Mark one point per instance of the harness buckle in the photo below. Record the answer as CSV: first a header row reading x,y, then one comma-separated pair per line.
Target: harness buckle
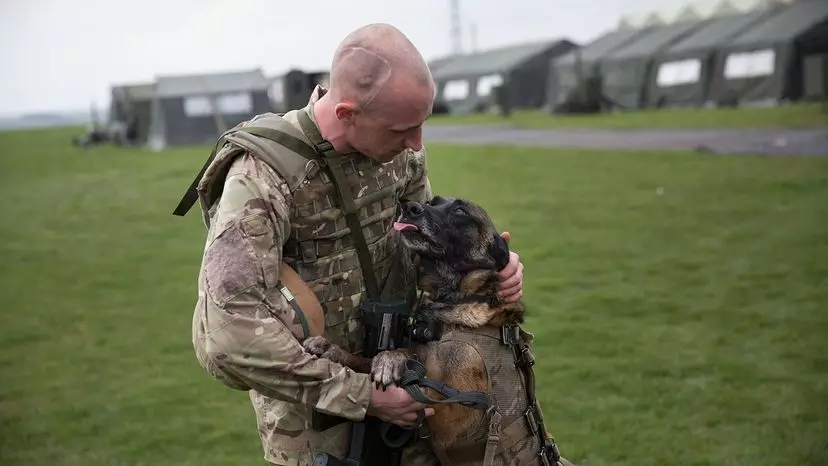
x,y
529,414
526,359
509,334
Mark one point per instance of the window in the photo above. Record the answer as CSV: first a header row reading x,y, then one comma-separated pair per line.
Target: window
x,y
486,83
197,106
750,64
456,90
235,104
277,90
675,73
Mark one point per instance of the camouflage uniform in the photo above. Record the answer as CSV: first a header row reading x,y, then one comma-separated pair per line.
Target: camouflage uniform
x,y
243,328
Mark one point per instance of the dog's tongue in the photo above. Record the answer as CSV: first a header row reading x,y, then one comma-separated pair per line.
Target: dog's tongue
x,y
404,226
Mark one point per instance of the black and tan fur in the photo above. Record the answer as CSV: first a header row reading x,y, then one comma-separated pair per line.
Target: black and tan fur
x,y
458,253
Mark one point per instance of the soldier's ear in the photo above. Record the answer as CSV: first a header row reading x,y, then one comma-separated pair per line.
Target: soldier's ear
x,y
500,252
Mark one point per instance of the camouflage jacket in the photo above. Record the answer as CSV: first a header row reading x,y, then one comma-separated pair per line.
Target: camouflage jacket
x,y
260,220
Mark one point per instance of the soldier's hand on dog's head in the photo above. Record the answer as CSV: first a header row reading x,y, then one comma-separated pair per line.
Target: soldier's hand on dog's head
x,y
510,288
393,404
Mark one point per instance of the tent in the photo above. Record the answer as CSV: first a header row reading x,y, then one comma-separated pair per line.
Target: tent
x,y
682,73
774,60
196,109
625,71
465,82
570,69
130,107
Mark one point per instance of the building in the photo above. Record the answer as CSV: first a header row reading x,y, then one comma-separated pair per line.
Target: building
x,y
196,109
781,58
625,71
465,82
682,73
583,63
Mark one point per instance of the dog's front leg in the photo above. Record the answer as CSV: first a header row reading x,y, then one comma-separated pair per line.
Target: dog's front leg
x,y
388,367
321,347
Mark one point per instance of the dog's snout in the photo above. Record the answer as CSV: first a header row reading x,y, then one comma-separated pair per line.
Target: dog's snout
x,y
413,209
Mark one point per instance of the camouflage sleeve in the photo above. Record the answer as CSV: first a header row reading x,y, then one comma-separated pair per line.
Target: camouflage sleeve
x,y
245,341
418,187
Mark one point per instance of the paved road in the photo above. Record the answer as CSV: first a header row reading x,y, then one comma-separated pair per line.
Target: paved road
x,y
750,142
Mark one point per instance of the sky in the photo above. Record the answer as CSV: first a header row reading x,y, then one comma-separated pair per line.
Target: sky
x,y
61,55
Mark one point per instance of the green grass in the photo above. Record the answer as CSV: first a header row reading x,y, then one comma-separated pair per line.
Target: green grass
x,y
790,116
678,300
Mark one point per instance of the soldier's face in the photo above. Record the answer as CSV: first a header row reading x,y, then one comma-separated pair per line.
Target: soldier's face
x,y
394,123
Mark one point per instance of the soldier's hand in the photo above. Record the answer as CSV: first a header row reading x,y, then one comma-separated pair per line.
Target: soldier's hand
x,y
395,405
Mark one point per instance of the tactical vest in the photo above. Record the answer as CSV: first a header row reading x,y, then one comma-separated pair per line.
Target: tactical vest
x,y
512,431
319,246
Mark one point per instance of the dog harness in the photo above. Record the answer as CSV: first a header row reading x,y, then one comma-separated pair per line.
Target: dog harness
x,y
515,431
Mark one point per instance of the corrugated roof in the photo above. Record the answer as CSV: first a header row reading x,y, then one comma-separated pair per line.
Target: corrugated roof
x,y
790,22
717,33
601,47
491,61
176,86
654,40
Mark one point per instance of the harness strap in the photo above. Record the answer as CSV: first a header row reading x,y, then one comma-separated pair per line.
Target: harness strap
x,y
525,362
493,440
415,377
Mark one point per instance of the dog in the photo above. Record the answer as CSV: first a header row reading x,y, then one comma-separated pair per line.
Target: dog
x,y
458,254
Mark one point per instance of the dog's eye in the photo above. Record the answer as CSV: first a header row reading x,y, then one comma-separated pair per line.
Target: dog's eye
x,y
459,211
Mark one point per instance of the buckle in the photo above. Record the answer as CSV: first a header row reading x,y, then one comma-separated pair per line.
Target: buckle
x,y
552,451
529,414
509,334
526,359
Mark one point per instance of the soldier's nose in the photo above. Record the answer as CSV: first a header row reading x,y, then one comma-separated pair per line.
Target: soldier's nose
x,y
413,209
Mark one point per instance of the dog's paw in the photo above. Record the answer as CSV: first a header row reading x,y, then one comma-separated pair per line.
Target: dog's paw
x,y
388,367
316,346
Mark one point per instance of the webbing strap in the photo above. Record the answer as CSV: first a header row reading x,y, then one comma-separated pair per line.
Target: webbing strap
x,y
191,195
334,165
415,377
290,142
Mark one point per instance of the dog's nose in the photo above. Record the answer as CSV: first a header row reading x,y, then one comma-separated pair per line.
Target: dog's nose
x,y
413,209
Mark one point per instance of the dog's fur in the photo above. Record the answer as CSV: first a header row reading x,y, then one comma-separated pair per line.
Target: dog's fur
x,y
458,253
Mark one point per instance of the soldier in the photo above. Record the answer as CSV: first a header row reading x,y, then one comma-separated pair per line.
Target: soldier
x,y
245,332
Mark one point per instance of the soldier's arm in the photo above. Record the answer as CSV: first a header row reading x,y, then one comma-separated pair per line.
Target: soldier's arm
x,y
246,338
418,187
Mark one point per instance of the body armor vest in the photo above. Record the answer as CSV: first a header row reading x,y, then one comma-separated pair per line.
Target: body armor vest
x,y
319,246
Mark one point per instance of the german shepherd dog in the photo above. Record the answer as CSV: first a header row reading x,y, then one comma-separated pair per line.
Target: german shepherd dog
x,y
458,254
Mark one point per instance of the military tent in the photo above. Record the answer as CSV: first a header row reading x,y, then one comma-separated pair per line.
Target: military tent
x,y
568,71
625,71
196,109
130,108
682,73
465,82
777,59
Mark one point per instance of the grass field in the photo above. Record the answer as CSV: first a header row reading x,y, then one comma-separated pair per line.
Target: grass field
x,y
806,115
679,301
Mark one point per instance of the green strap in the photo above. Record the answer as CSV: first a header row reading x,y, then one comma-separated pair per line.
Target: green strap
x,y
338,174
290,142
191,195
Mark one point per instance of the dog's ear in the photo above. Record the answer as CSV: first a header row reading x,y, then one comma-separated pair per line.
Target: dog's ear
x,y
500,252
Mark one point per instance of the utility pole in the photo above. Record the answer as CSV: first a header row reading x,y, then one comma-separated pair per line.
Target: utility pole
x,y
456,35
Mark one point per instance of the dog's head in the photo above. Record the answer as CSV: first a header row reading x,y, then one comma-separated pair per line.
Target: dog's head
x,y
454,233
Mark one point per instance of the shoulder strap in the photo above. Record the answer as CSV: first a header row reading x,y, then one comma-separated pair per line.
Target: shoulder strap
x,y
333,161
271,133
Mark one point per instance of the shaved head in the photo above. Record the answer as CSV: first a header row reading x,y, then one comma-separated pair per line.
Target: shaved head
x,y
373,60
379,94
